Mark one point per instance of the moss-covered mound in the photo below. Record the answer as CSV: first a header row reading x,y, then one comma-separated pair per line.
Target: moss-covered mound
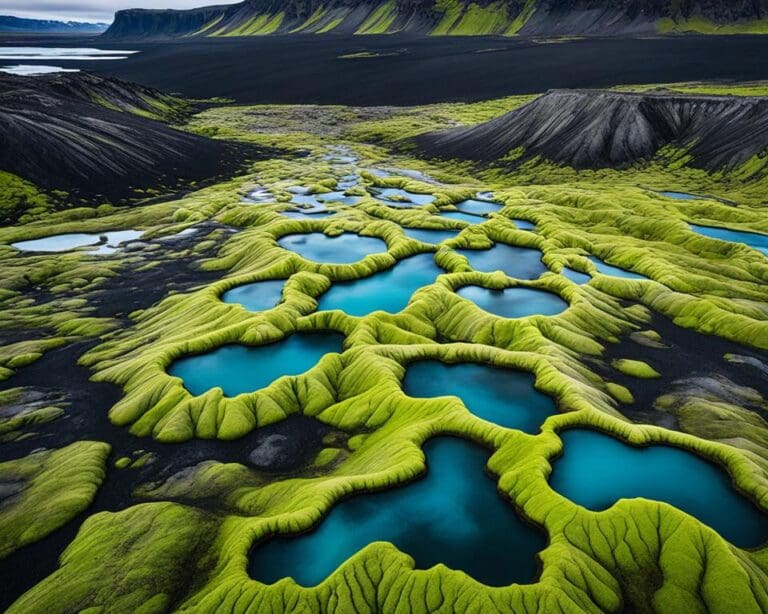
x,y
184,542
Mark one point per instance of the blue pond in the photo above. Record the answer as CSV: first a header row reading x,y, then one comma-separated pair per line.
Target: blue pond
x,y
680,195
303,215
453,516
66,242
502,396
576,277
257,296
428,235
463,217
317,200
524,224
514,302
753,239
341,249
395,197
389,290
596,470
478,207
519,262
240,368
608,269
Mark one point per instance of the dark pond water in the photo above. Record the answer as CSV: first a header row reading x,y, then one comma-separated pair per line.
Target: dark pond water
x,y
389,290
341,249
453,516
514,302
502,396
596,470
240,368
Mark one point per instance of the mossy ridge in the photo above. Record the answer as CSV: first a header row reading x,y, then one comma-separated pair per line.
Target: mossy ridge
x,y
54,487
178,416
635,537
721,576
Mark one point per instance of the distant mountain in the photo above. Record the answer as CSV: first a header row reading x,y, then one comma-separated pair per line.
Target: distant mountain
x,y
19,24
449,17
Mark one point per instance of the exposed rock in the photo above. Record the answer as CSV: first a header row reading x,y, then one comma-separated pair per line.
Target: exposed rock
x,y
81,133
598,129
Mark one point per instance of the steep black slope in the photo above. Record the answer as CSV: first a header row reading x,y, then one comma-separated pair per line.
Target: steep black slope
x,y
452,17
81,134
598,129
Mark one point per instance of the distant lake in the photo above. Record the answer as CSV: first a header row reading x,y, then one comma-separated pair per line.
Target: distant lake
x,y
59,54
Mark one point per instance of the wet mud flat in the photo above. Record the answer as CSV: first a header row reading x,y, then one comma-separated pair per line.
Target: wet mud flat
x,y
309,69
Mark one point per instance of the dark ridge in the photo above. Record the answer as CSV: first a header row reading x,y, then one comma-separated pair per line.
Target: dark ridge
x,y
9,23
532,17
601,129
90,137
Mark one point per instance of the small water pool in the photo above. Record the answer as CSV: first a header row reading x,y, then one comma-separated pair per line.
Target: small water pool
x,y
519,262
32,70
68,242
514,302
317,200
388,291
81,54
524,224
241,368
259,196
608,269
454,516
478,207
463,217
680,195
430,235
596,470
258,296
396,197
298,214
504,397
341,249
752,239
576,277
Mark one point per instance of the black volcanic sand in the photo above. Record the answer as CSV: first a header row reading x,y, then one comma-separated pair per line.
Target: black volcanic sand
x,y
421,70
278,450
132,289
689,355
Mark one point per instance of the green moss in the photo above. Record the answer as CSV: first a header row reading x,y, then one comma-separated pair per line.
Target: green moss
x,y
701,25
380,20
53,487
638,555
636,368
20,200
620,393
482,20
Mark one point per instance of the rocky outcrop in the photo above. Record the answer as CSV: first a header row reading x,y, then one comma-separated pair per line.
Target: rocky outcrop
x,y
91,137
600,129
446,17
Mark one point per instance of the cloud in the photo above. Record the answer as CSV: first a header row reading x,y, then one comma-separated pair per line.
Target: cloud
x,y
91,10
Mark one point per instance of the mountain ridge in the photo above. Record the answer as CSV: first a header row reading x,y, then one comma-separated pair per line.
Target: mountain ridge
x,y
447,17
12,24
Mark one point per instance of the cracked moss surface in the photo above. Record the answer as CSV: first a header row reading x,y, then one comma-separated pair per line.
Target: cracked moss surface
x,y
171,551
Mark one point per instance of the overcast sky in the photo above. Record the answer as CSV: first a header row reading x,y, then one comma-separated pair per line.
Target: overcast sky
x,y
91,10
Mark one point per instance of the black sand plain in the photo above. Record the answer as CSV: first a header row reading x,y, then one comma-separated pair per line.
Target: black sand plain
x,y
407,70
